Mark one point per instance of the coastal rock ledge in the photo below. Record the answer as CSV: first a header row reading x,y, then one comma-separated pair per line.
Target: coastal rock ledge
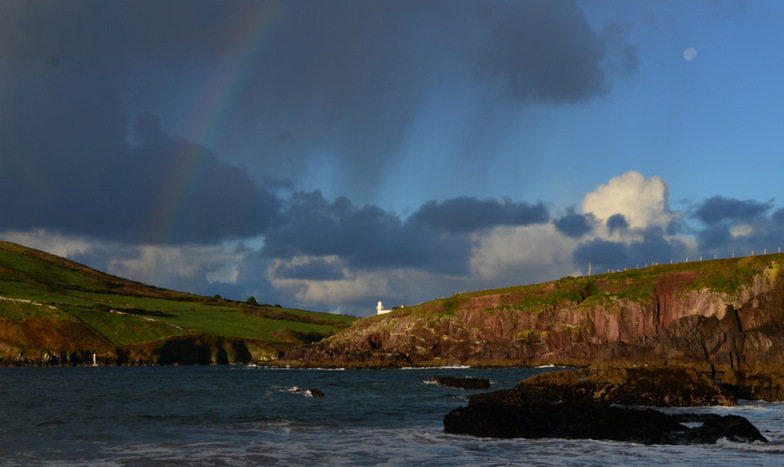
x,y
589,420
583,405
667,386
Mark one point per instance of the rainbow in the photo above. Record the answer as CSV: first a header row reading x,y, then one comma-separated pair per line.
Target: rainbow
x,y
210,116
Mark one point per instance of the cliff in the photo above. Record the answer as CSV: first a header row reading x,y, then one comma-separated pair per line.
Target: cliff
x,y
720,315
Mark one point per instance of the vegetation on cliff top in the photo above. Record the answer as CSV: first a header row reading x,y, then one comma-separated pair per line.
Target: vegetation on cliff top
x,y
727,276
57,311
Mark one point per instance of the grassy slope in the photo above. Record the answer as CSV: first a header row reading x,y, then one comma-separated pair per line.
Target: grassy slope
x,y
722,275
49,304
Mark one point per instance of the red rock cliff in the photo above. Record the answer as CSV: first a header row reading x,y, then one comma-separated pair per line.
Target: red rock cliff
x,y
731,316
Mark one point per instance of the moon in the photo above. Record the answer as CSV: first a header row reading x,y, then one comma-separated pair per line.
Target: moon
x,y
690,54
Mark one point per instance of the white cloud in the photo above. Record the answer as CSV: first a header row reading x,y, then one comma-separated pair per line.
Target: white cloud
x,y
741,231
359,290
526,254
160,264
226,274
50,242
354,286
643,201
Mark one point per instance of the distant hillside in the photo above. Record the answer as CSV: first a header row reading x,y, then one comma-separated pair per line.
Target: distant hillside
x,y
55,311
726,313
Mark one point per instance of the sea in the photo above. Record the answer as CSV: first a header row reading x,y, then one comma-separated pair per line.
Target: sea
x,y
247,415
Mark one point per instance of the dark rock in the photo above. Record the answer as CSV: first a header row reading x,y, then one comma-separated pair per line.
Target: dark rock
x,y
589,420
658,387
316,393
714,427
461,383
584,404
764,384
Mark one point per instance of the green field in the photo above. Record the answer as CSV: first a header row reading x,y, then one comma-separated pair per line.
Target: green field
x,y
52,306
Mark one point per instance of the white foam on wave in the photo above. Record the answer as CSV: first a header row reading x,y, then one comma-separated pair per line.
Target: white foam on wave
x,y
771,447
296,390
287,389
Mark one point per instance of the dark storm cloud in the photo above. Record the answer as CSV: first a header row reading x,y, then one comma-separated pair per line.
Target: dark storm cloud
x,y
737,227
372,63
275,183
601,254
718,209
100,33
186,188
714,238
609,255
363,237
574,225
617,222
350,79
463,215
315,269
752,233
344,78
778,217
762,237
70,169
543,50
65,159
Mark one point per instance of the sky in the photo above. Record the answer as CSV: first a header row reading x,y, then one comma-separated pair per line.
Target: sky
x,y
327,155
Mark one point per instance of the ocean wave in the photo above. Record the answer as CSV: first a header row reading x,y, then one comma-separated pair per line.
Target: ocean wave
x,y
447,367
219,416
296,390
252,366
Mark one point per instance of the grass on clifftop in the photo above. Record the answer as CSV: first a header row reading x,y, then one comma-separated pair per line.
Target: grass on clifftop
x,y
637,285
38,288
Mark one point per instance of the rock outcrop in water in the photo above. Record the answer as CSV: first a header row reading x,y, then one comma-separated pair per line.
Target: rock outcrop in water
x,y
461,383
648,386
725,316
587,420
595,404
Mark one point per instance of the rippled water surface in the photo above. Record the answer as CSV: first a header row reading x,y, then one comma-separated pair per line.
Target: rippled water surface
x,y
258,416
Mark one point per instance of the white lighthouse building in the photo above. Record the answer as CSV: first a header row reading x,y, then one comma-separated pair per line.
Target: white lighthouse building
x,y
380,309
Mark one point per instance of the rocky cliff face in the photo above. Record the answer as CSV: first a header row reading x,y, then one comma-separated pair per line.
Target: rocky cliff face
x,y
667,316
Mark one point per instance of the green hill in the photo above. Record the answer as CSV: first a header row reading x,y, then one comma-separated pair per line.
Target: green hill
x,y
55,311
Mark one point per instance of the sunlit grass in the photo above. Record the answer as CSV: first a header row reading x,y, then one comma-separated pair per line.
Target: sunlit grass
x,y
126,313
639,285
123,329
